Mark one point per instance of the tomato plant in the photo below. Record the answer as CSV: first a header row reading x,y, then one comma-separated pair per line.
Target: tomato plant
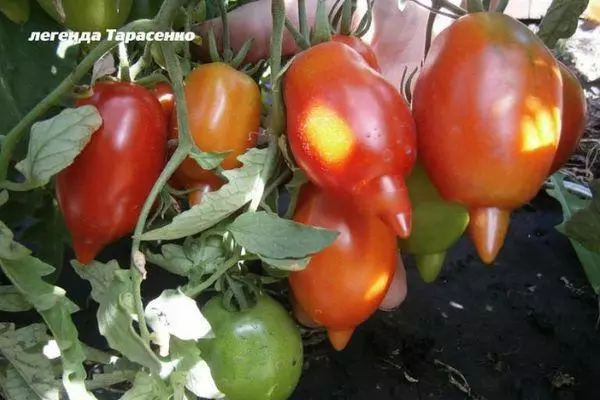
x,y
315,211
487,136
256,354
101,194
213,93
92,15
346,282
355,138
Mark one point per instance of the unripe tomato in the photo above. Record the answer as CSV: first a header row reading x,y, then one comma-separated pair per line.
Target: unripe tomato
x,y
256,354
344,283
223,106
487,106
90,15
102,193
360,47
573,118
351,131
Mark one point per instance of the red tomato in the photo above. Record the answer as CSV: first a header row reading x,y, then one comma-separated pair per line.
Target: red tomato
x,y
360,47
487,107
351,131
102,193
164,93
344,283
202,188
574,118
224,107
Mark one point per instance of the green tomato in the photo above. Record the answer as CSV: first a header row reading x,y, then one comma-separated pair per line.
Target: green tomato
x,y
436,224
90,15
256,354
15,10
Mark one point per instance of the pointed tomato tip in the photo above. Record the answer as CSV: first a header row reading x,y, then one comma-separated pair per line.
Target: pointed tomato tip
x,y
86,252
487,229
400,223
340,338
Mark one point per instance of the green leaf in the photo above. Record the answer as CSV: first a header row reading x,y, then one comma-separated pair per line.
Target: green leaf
x,y
3,197
115,319
147,387
54,143
561,20
15,10
208,160
571,204
29,374
584,225
26,274
29,70
11,300
287,264
99,275
172,259
293,187
217,205
271,236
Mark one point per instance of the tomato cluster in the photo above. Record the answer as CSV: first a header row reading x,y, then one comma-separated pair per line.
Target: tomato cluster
x,y
493,114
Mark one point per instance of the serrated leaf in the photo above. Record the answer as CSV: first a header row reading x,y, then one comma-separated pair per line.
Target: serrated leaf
x,y
584,225
561,20
54,143
287,264
208,160
216,206
3,197
99,275
570,204
201,383
271,236
25,272
30,374
147,387
11,300
172,259
114,322
103,67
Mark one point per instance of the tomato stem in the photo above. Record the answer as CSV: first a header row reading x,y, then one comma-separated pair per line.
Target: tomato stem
x,y
194,291
300,40
124,73
347,11
227,52
322,29
501,7
454,9
16,134
474,6
302,20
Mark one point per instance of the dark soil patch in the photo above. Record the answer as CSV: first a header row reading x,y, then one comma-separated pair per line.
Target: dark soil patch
x,y
526,329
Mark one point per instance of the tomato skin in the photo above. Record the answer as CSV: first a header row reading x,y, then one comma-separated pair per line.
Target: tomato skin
x,y
573,118
360,47
202,188
256,354
224,107
102,193
91,15
164,93
487,105
351,131
344,283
